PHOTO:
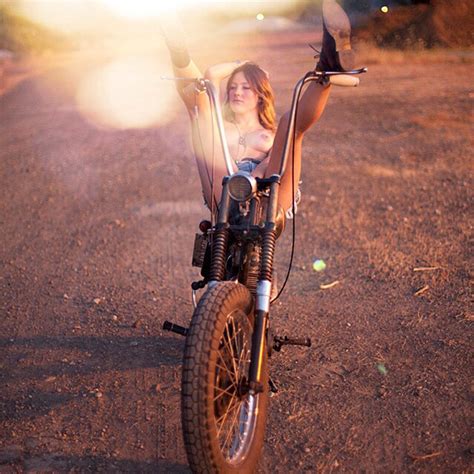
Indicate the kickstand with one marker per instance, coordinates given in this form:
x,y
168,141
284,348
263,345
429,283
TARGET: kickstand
x,y
273,387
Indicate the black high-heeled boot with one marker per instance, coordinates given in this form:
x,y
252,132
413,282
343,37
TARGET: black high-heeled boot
x,y
336,53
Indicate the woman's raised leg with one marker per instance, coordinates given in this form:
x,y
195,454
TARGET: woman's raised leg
x,y
336,55
183,66
207,149
311,106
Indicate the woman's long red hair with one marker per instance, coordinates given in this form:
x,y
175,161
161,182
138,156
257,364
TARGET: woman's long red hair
x,y
258,81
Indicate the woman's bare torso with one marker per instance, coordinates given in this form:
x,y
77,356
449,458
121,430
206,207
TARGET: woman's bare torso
x,y
255,145
207,146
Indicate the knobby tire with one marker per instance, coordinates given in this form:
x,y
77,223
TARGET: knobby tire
x,y
223,425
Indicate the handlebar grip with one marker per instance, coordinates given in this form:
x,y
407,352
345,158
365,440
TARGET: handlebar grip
x,y
344,80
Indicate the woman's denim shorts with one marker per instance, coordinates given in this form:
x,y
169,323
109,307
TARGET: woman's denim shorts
x,y
247,165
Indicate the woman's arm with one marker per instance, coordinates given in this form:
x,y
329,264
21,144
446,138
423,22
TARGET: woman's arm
x,y
217,73
222,70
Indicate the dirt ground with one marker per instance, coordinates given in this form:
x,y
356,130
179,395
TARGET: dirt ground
x,y
96,242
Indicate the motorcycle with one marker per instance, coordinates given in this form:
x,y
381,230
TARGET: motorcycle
x,y
225,379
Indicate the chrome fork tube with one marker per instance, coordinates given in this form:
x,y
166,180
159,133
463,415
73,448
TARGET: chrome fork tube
x,y
264,286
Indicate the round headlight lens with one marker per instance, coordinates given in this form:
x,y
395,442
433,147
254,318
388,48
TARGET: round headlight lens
x,y
242,186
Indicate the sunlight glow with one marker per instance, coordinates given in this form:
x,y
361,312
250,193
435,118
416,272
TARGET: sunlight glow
x,y
99,15
67,15
136,9
145,9
126,93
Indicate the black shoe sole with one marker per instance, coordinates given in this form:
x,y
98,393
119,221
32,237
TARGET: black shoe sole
x,y
339,27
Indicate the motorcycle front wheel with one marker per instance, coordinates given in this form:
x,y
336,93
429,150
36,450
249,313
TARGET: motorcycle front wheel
x,y
223,424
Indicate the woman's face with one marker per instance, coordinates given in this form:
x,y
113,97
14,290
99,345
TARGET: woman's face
x,y
242,98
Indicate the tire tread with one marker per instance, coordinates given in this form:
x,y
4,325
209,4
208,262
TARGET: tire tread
x,y
204,334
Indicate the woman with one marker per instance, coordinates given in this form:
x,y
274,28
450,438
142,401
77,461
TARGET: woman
x,y
255,142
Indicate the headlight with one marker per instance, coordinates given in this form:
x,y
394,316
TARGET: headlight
x,y
242,186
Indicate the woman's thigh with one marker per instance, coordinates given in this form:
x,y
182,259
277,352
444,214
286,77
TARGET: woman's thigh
x,y
209,158
293,165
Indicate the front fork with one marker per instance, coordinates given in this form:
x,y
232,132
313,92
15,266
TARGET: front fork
x,y
264,284
220,238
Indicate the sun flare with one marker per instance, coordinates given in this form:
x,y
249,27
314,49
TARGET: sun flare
x,y
127,93
136,9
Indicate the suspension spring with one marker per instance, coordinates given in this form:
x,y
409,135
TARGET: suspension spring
x,y
268,251
219,248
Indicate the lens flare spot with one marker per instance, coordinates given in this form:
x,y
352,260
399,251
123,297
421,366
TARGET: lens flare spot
x,y
384,9
260,17
126,93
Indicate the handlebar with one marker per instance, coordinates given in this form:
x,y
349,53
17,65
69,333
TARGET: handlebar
x,y
345,79
334,77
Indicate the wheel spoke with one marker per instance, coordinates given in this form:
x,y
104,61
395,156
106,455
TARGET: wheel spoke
x,y
246,408
226,370
230,423
231,427
230,349
242,360
237,412
228,413
232,374
225,415
224,392
237,337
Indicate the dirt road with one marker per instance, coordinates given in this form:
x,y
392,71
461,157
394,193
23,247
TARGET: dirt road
x,y
97,229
